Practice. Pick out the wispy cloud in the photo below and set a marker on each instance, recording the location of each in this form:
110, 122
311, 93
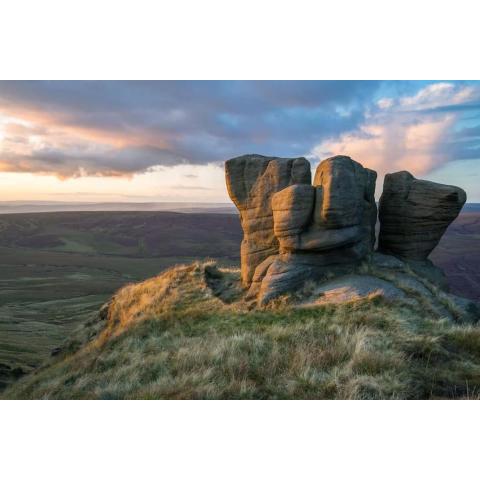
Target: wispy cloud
412, 132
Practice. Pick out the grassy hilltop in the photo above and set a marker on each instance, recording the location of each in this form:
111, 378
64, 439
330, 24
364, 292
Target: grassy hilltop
188, 333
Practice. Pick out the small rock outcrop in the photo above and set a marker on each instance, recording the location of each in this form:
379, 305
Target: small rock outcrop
295, 231
414, 215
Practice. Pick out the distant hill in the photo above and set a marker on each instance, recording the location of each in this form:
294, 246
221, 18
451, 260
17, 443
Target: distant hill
458, 253
180, 207
201, 235
471, 207
184, 207
140, 234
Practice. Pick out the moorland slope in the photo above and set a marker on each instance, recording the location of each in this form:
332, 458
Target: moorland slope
56, 269
189, 333
48, 292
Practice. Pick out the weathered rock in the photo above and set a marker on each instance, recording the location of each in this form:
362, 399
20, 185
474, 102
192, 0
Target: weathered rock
348, 197
320, 227
292, 209
423, 268
426, 269
414, 214
398, 286
295, 232
348, 193
339, 210
251, 182
318, 239
389, 262
287, 272
259, 274
352, 288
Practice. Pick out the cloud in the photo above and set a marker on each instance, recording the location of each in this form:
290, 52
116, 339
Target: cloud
393, 145
72, 129
189, 187
83, 159
121, 128
411, 132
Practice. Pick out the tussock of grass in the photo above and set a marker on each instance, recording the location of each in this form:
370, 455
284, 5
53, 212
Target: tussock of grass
175, 336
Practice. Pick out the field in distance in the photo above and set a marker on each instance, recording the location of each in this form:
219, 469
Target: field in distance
180, 207
458, 253
56, 269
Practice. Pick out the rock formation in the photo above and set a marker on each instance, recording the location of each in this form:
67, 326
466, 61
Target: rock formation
295, 231
338, 211
251, 182
414, 215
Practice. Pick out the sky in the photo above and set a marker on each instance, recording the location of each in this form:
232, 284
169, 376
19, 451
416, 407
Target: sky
167, 140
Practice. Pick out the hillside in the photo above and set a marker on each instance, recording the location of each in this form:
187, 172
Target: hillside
56, 269
132, 234
75, 261
458, 253
181, 207
189, 333
182, 236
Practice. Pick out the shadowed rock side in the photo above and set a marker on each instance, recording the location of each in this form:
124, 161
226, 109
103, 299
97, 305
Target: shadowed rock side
414, 215
251, 182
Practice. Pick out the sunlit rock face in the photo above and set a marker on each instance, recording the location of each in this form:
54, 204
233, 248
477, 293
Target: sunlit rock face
338, 211
296, 231
322, 228
252, 180
414, 214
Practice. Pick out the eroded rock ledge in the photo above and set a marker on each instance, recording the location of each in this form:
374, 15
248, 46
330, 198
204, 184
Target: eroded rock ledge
295, 231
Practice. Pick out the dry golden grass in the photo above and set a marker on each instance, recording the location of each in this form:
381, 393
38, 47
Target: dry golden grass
175, 336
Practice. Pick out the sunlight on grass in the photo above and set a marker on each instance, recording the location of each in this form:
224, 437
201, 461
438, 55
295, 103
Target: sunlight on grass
173, 336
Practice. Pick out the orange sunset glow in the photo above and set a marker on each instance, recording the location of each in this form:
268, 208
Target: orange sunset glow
159, 141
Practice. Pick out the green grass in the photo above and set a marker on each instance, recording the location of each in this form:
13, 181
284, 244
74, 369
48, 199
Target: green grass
45, 296
173, 337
